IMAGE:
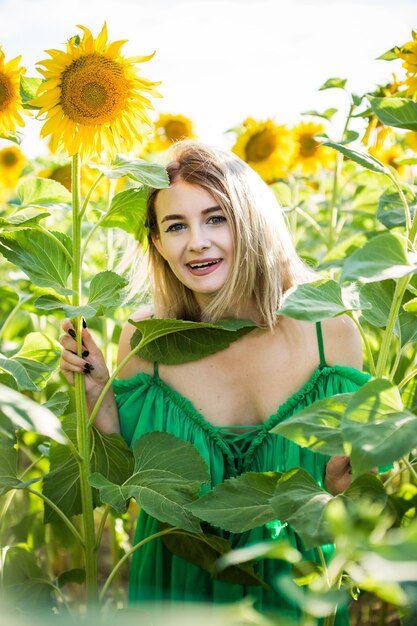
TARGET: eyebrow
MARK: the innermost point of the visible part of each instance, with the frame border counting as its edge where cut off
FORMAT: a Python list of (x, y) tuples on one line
[(178, 216)]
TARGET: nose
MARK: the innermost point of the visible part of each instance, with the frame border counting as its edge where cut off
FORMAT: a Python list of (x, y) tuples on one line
[(198, 241)]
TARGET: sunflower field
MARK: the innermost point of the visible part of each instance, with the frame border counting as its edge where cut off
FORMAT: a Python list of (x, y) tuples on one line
[(72, 226)]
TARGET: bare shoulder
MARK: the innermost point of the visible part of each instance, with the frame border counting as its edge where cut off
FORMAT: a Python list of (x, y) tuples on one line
[(342, 342), (136, 364)]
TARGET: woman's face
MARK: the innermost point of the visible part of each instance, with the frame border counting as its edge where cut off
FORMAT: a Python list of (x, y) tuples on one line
[(194, 238)]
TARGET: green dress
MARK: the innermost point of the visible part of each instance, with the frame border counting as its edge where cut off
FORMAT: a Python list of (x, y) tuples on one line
[(146, 403)]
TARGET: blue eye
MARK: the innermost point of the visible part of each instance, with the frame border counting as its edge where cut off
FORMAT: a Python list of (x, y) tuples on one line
[(175, 227), (217, 219)]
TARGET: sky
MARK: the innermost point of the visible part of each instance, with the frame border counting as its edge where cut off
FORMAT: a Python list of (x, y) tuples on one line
[(221, 61)]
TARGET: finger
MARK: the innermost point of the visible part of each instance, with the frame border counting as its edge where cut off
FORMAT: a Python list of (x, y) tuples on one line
[(72, 362), (71, 344), (69, 376)]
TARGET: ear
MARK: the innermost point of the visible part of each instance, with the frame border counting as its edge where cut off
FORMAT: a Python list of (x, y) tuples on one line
[(157, 243)]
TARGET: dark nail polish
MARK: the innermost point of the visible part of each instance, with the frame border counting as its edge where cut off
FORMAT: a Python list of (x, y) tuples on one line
[(72, 332), (88, 368), (85, 353), (84, 323)]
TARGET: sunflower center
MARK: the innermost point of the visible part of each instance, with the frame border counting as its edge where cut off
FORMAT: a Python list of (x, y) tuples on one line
[(5, 91), (260, 146), (175, 130), (308, 145), (8, 158), (93, 90)]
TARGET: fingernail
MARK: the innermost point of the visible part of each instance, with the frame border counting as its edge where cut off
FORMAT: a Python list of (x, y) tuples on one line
[(84, 323), (85, 353), (72, 332), (88, 368)]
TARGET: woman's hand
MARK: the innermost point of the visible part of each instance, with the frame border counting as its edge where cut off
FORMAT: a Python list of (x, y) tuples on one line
[(91, 363), (338, 474)]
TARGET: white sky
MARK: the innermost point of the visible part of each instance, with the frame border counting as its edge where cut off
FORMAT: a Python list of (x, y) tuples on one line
[(223, 60)]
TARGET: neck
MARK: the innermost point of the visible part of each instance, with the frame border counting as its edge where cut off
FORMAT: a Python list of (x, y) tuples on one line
[(249, 311)]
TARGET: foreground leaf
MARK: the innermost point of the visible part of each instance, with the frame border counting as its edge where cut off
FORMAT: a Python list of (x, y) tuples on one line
[(152, 174), (42, 192), (39, 355), (315, 301), (172, 341), (397, 112), (167, 477), (106, 292), (128, 212), (362, 158)]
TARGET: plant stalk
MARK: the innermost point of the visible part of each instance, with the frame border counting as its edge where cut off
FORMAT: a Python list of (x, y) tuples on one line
[(383, 357), (83, 433)]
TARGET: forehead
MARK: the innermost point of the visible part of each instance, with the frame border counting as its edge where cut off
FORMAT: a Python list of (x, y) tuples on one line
[(183, 197)]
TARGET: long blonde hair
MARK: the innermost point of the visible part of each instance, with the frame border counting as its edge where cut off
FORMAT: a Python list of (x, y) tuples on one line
[(266, 264)]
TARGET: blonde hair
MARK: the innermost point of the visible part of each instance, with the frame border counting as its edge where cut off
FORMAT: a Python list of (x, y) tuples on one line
[(266, 264)]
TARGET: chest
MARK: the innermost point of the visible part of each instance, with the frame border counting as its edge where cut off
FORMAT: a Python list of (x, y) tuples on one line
[(246, 383)]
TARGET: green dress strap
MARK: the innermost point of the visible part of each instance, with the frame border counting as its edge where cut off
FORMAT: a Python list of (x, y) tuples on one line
[(320, 345)]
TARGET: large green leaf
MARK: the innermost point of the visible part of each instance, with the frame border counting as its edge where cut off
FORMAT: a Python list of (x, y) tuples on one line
[(18, 372), (128, 212), (152, 174), (39, 256), (110, 456), (398, 112), (168, 476), (58, 403), (362, 158), (316, 301), (106, 292), (39, 355), (22, 578), (376, 426), (204, 550), (382, 257), (317, 426), (24, 218), (300, 501), (391, 209), (42, 192), (18, 411), (239, 503), (172, 341)]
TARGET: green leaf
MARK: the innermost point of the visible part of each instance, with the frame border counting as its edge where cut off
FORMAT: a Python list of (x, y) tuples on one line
[(281, 550), (315, 301), (398, 112), (110, 456), (28, 89), (106, 292), (18, 411), (389, 55), (240, 503), (16, 138), (349, 137), (362, 158), (174, 341), (39, 355), (377, 427), (391, 210), (327, 114), (205, 550), (369, 487), (128, 212), (311, 602), (299, 501), (411, 306), (42, 192), (382, 257), (24, 218), (39, 256), (152, 174), (71, 576), (19, 373), (317, 427), (58, 403), (49, 303), (22, 578), (168, 476), (334, 83)]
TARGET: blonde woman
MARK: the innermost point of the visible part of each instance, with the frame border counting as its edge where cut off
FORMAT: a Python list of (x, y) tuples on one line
[(219, 248)]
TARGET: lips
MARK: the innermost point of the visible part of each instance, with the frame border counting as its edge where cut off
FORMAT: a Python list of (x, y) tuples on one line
[(201, 267)]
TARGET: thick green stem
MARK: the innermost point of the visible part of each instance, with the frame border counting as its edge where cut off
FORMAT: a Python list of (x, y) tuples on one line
[(383, 357), (83, 434)]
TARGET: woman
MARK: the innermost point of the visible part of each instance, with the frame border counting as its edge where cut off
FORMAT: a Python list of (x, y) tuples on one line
[(219, 248)]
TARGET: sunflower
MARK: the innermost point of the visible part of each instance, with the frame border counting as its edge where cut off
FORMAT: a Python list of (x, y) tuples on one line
[(92, 99), (408, 53), (12, 162), (388, 154), (10, 103), (169, 129), (376, 133), (311, 154), (266, 147), (410, 140)]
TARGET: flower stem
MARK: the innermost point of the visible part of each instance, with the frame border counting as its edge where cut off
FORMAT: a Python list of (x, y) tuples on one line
[(400, 288), (83, 433), (365, 340)]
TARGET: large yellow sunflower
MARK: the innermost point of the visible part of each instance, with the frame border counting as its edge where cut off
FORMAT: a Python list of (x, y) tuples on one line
[(388, 154), (266, 147), (92, 99), (311, 155), (169, 129), (10, 103), (12, 162), (408, 53)]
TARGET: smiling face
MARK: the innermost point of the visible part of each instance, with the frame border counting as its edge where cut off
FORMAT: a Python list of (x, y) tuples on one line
[(195, 238)]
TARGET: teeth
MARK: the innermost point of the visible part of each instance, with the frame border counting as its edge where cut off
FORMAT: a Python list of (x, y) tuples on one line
[(201, 265)]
